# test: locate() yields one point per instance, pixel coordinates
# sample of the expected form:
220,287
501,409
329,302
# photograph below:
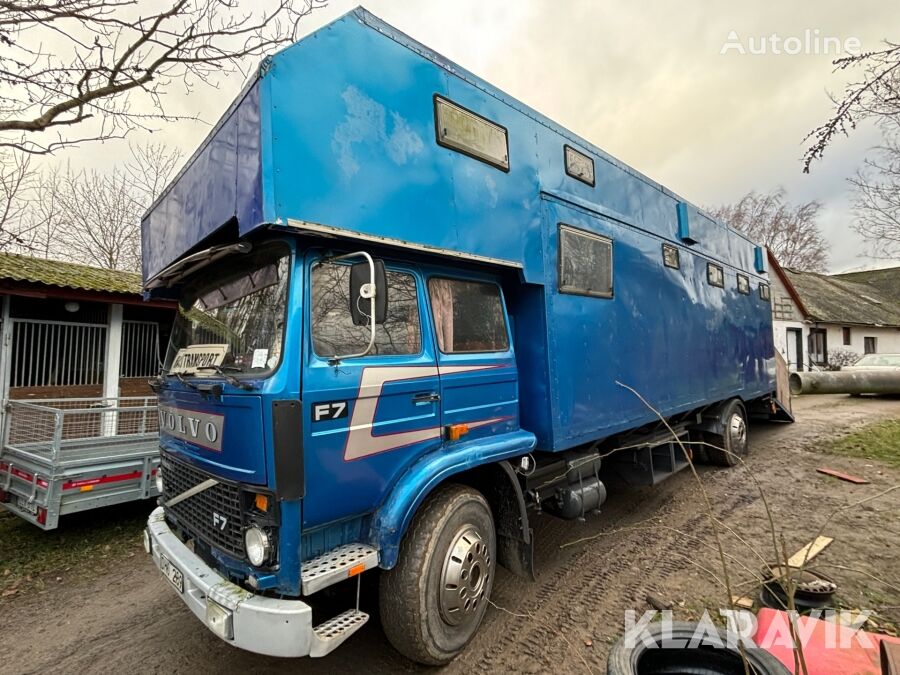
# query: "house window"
845,332
870,345
764,292
671,256
468,316
818,346
743,284
585,263
333,330
715,275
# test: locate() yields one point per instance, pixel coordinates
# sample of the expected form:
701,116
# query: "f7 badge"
329,410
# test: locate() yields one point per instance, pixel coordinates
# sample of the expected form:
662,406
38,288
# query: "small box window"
671,256
461,129
585,263
715,275
846,335
764,291
743,284
579,165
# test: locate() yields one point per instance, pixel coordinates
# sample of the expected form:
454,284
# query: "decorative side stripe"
361,442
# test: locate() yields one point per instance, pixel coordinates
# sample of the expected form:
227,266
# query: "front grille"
195,514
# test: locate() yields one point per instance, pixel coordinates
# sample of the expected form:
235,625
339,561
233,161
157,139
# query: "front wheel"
434,599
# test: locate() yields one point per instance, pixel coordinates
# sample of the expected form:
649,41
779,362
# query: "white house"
817,315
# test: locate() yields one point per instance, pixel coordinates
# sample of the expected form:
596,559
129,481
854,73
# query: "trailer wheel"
732,443
434,599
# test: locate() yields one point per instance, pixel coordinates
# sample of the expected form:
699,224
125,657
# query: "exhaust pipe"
846,382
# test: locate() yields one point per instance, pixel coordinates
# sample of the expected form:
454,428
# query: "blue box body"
338,131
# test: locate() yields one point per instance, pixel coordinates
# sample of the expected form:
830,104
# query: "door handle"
427,397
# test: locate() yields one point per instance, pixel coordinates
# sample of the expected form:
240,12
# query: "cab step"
330,635
336,565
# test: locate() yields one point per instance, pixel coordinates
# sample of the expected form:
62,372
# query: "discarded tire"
673,655
813,590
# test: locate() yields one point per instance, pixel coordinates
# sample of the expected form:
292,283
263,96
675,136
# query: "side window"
743,284
715,275
333,331
468,316
585,263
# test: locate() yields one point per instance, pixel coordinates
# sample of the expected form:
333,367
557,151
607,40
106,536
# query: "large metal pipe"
846,382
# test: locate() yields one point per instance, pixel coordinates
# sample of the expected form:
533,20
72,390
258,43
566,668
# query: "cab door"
479,378
366,418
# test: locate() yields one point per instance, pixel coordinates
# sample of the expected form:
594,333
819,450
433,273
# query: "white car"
876,362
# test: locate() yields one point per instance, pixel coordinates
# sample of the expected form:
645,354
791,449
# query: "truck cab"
306,414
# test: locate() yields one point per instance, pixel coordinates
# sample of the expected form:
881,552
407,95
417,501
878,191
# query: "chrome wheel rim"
464,580
737,431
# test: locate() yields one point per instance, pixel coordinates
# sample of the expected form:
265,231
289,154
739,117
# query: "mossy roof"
834,299
67,275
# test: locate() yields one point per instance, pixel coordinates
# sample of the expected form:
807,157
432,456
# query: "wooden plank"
782,387
810,551
843,476
742,601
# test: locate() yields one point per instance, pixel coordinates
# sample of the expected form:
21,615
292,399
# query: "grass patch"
85,544
880,441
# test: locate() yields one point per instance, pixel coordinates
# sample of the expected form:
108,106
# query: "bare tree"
102,220
16,178
877,199
791,232
875,96
39,225
67,62
93,216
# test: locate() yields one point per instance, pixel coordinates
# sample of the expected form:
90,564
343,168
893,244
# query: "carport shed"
74,331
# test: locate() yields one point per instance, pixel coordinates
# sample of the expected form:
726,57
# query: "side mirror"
361,292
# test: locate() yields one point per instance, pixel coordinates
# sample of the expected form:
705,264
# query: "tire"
705,660
733,440
451,540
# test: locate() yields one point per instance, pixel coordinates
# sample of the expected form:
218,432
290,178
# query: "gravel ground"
647,541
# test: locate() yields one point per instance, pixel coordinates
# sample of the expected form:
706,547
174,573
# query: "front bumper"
258,624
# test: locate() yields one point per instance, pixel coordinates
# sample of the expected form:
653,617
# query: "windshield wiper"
183,381
230,379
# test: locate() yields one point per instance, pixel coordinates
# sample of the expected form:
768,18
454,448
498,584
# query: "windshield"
231,318
888,360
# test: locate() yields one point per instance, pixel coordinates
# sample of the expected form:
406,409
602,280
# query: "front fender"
390,521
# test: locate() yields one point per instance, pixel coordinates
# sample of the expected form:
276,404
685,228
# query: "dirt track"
131,621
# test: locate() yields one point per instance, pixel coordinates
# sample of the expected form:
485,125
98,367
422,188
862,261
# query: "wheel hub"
467,570
737,430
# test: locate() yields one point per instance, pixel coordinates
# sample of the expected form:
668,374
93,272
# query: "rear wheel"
731,445
434,599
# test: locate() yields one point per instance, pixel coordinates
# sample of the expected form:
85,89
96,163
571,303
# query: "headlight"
257,545
159,480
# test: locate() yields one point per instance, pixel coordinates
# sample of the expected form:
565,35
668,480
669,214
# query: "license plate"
172,573
27,506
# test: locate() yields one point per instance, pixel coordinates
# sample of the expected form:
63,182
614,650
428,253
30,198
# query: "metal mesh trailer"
68,455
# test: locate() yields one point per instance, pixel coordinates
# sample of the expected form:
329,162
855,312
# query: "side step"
330,635
336,565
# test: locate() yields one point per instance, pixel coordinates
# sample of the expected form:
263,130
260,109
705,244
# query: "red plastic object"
829,649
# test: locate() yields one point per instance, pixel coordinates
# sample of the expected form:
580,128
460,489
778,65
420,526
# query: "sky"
649,83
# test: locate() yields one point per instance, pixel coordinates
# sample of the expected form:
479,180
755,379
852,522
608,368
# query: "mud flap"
515,540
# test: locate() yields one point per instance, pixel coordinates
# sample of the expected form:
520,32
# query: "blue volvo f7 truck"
413,312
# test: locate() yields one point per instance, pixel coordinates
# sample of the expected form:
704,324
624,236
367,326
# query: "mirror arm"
335,360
